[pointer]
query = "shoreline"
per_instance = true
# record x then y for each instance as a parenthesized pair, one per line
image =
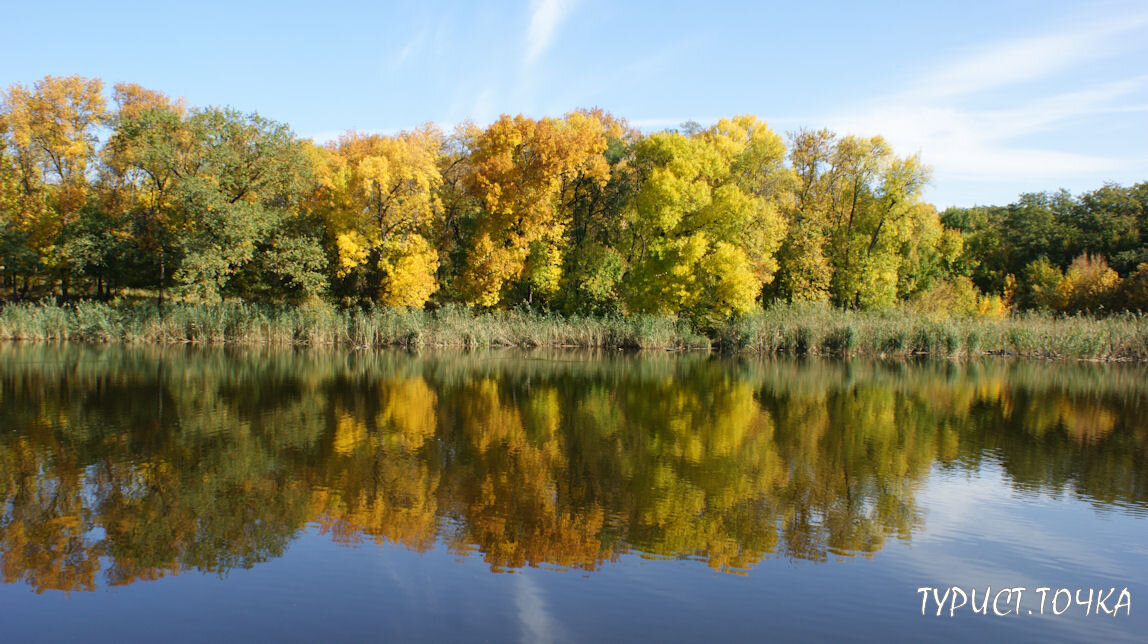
(801, 329)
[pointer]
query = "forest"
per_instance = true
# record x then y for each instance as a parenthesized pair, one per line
(123, 193)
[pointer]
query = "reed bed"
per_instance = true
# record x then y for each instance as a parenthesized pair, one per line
(322, 324)
(794, 329)
(816, 329)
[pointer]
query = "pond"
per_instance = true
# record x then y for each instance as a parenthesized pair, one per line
(198, 494)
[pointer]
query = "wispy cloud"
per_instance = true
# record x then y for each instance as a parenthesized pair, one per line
(952, 114)
(1026, 59)
(533, 615)
(413, 46)
(545, 18)
(979, 143)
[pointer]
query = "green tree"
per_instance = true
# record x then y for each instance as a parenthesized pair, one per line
(222, 198)
(706, 222)
(593, 266)
(855, 210)
(1040, 286)
(1109, 221)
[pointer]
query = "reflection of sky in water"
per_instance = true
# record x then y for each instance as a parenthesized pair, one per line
(981, 533)
(987, 477)
(977, 534)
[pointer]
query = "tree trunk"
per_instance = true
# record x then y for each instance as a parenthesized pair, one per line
(162, 278)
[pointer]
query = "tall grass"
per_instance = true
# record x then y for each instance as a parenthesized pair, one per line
(797, 329)
(818, 329)
(322, 324)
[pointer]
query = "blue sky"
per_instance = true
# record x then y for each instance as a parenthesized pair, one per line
(998, 97)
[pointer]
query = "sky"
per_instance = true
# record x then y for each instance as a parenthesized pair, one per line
(998, 98)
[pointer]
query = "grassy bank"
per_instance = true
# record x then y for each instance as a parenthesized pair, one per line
(320, 324)
(817, 329)
(790, 329)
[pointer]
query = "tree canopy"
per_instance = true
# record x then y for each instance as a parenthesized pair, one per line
(579, 214)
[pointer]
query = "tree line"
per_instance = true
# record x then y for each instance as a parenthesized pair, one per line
(582, 213)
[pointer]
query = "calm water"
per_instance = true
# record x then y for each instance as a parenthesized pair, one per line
(206, 495)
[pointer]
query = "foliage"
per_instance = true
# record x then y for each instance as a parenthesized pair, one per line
(102, 194)
(705, 226)
(378, 200)
(859, 235)
(1039, 237)
(1088, 284)
(521, 172)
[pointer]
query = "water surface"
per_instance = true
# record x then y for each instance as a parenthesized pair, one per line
(194, 494)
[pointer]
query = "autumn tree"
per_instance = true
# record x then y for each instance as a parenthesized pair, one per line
(706, 223)
(52, 131)
(113, 239)
(149, 153)
(854, 211)
(593, 264)
(522, 172)
(1088, 284)
(580, 214)
(381, 205)
(930, 255)
(21, 202)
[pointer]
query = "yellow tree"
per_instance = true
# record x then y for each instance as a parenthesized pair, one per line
(522, 171)
(805, 268)
(707, 222)
(1088, 284)
(52, 129)
(756, 164)
(21, 202)
(883, 209)
(854, 209)
(381, 205)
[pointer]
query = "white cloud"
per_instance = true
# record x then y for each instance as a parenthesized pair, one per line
(534, 616)
(545, 19)
(1026, 59)
(978, 143)
(951, 115)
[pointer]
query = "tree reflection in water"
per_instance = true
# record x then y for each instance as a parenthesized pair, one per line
(125, 464)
